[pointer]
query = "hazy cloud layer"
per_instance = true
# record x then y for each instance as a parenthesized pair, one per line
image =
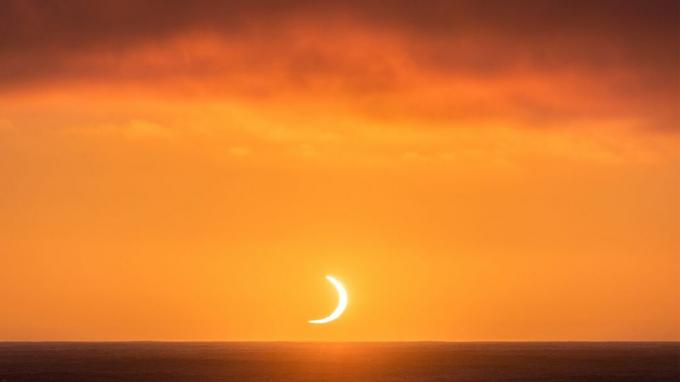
(537, 63)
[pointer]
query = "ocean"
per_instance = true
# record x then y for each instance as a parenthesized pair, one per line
(339, 362)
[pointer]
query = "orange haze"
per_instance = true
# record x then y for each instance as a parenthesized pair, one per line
(469, 170)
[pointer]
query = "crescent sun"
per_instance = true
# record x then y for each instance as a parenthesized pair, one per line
(342, 302)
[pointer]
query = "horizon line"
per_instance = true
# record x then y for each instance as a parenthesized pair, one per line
(339, 342)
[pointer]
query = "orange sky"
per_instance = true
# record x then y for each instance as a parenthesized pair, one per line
(470, 170)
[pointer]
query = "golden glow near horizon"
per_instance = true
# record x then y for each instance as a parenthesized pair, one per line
(342, 303)
(172, 170)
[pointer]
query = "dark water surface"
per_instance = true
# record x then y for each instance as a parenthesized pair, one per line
(356, 362)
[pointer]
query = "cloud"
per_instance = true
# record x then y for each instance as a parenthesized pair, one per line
(307, 150)
(133, 130)
(239, 151)
(139, 129)
(540, 32)
(536, 64)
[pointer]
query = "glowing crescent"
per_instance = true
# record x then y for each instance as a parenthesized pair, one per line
(342, 302)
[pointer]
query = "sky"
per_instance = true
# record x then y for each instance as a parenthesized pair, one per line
(470, 170)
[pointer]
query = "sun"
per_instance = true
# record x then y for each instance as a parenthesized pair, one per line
(342, 302)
